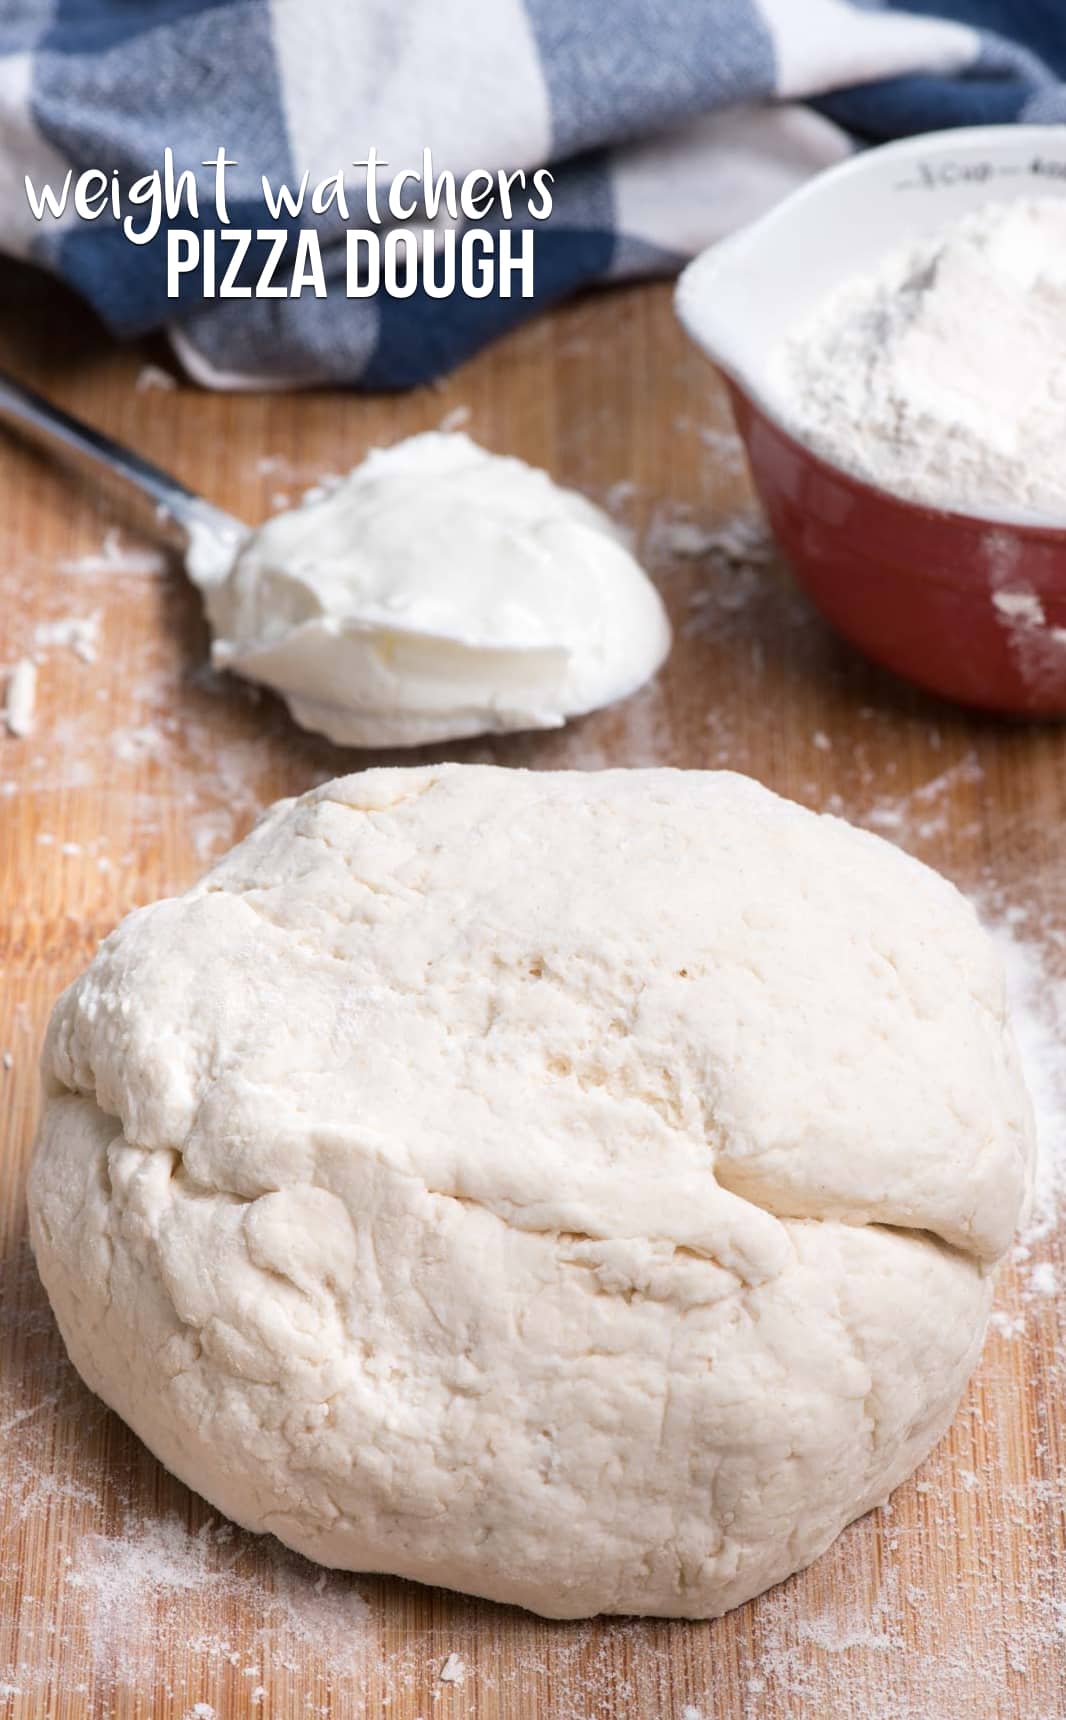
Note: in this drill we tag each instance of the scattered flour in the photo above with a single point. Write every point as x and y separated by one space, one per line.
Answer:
310 482
619 496
942 375
174 741
153 1569
927 811
743 540
1043 1280
724 445
143 740
116 557
78 633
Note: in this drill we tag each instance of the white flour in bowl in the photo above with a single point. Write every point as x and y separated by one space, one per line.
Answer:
942 375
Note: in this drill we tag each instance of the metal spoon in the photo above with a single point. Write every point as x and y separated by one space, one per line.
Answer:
210 536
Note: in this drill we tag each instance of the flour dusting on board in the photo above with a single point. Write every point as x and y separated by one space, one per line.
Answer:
110 617
741 540
117 558
77 633
133 1581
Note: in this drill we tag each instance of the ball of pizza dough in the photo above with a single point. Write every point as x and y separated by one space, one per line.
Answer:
578 1189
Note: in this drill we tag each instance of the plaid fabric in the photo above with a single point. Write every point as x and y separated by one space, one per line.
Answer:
666 122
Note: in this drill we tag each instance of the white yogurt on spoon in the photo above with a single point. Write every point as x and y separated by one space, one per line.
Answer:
438 592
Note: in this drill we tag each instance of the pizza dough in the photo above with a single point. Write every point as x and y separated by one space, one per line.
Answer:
440 591
577 1189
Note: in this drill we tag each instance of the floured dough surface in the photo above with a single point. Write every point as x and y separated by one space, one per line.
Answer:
578 1189
440 591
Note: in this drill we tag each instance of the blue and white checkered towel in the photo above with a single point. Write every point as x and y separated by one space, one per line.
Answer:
667 123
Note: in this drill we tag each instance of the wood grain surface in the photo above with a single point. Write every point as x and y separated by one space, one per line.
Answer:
121 1593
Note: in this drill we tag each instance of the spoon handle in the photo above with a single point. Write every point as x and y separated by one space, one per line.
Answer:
196 518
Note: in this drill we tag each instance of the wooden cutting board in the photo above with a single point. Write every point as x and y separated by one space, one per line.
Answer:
121 1593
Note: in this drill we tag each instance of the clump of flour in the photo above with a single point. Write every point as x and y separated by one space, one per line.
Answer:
942 375
20 699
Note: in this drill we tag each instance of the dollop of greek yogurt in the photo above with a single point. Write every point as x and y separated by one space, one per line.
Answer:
439 591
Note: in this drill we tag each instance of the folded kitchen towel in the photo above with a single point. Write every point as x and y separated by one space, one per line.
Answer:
666 124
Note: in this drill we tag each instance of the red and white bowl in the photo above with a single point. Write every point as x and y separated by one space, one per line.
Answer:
969 604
